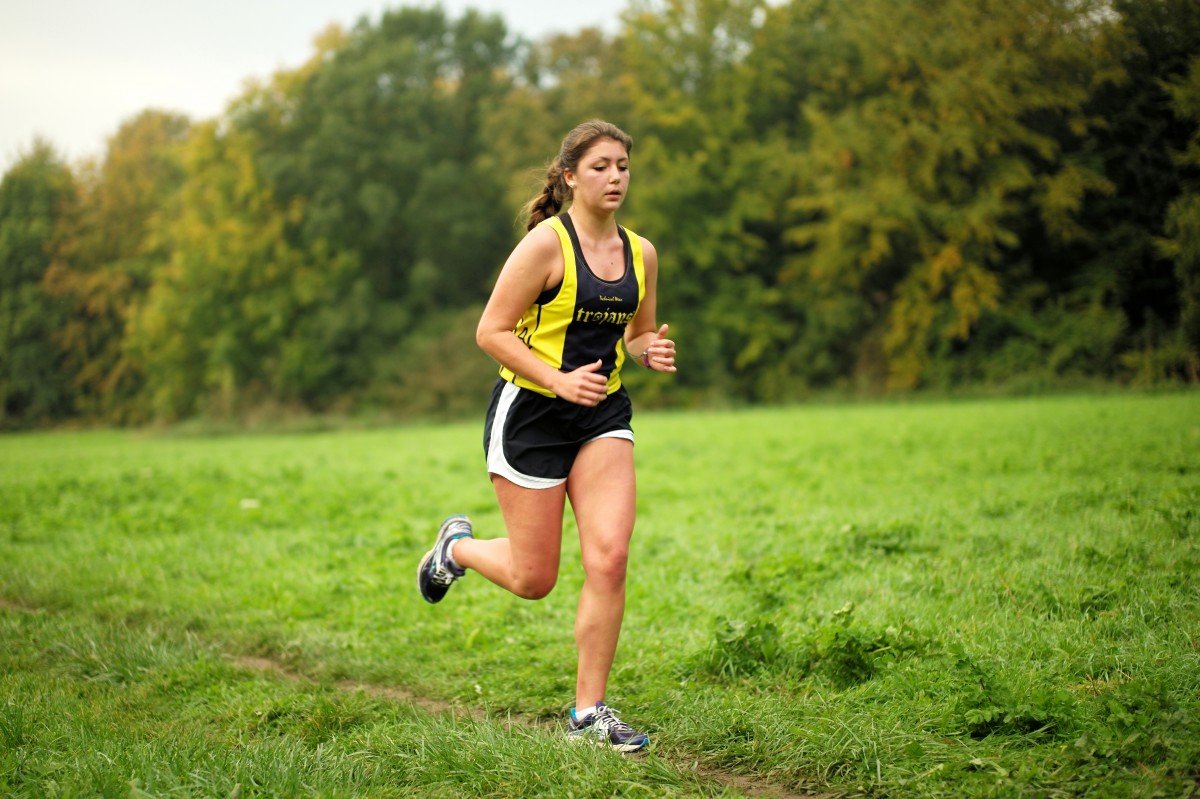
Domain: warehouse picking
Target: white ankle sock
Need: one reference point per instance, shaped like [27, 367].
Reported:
[450, 553]
[582, 713]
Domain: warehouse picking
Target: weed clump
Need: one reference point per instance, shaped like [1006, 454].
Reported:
[847, 653]
[836, 649]
[988, 705]
[743, 648]
[895, 538]
[1140, 722]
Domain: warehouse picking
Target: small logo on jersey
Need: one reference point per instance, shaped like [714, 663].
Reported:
[609, 299]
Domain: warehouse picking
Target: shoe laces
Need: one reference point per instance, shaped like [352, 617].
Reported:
[606, 721]
[442, 575]
[458, 528]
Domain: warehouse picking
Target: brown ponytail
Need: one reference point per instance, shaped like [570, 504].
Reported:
[556, 191]
[550, 201]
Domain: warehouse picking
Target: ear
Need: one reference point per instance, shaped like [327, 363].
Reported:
[569, 178]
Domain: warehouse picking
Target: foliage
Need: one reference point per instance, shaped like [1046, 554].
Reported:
[867, 197]
[1145, 129]
[380, 143]
[239, 316]
[34, 195]
[107, 259]
[1183, 219]
[929, 159]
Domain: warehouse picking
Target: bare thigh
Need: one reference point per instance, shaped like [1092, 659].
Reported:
[603, 495]
[533, 518]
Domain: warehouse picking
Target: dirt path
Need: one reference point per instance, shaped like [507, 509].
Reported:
[746, 785]
[749, 786]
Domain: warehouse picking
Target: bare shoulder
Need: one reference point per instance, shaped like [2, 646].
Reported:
[649, 254]
[538, 244]
[537, 260]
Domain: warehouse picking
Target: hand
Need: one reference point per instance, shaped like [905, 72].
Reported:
[660, 355]
[583, 386]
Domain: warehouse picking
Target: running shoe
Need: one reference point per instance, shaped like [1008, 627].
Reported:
[603, 728]
[437, 573]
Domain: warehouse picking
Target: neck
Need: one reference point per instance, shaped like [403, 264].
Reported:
[595, 226]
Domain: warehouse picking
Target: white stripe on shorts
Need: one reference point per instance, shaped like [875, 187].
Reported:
[496, 462]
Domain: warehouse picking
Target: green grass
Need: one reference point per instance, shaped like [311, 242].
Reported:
[978, 598]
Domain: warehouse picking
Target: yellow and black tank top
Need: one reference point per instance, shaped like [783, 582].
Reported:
[583, 318]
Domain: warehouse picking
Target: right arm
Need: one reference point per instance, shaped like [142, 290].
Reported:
[534, 265]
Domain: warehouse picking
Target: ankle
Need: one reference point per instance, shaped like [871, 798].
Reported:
[450, 552]
[581, 713]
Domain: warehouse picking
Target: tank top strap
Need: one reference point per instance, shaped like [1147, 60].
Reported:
[639, 265]
[570, 277]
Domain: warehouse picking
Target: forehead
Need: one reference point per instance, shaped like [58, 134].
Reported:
[605, 148]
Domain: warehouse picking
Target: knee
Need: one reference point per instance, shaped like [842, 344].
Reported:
[608, 566]
[534, 586]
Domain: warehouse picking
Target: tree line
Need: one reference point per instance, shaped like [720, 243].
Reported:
[873, 196]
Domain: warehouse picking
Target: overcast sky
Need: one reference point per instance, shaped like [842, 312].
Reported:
[72, 70]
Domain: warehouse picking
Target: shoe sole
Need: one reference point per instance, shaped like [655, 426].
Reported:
[625, 749]
[420, 569]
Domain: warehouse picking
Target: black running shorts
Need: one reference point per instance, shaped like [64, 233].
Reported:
[532, 439]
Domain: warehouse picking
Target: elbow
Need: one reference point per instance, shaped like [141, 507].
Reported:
[482, 334]
[491, 341]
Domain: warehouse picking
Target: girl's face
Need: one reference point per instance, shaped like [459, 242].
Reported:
[602, 176]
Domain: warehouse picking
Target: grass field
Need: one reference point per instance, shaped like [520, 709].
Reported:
[977, 598]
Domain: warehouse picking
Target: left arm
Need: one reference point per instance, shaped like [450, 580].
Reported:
[645, 341]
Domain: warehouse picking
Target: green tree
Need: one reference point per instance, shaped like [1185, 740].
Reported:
[935, 147]
[35, 193]
[1183, 219]
[384, 143]
[709, 183]
[557, 83]
[108, 257]
[239, 316]
[1145, 127]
